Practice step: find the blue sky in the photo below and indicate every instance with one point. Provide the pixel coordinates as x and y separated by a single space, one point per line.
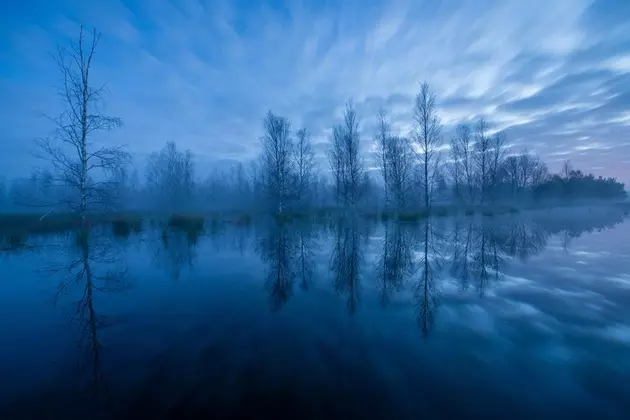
554 74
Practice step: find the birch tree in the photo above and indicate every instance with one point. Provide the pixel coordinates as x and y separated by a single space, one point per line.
427 137
336 159
383 135
345 159
171 176
80 164
465 151
482 156
399 164
497 158
304 161
276 160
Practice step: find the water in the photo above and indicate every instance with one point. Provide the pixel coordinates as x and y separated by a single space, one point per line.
523 316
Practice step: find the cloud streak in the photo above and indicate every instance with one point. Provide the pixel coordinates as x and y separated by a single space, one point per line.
554 75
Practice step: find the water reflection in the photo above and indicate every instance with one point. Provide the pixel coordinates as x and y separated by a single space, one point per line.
174 249
346 260
395 261
440 278
277 248
89 265
486 260
430 260
305 265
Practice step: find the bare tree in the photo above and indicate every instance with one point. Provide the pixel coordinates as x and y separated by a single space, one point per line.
383 136
497 157
511 169
336 157
427 137
277 162
345 159
465 151
354 163
523 172
567 168
526 165
304 157
483 159
539 172
399 165
456 171
80 164
170 175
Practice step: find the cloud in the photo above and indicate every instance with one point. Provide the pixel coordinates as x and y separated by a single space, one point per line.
204 73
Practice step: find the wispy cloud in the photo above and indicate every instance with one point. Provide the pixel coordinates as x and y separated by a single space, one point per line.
203 73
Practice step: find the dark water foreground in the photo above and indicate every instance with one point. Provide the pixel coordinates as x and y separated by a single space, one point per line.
525 316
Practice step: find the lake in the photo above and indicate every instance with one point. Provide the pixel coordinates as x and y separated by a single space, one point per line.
520 316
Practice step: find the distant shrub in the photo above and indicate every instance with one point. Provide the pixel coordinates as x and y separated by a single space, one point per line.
187 223
282 218
441 212
243 220
411 217
121 228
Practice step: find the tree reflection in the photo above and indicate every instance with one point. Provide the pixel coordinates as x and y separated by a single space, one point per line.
175 249
574 224
429 268
462 243
346 260
480 249
395 262
305 263
277 249
521 239
485 260
92 264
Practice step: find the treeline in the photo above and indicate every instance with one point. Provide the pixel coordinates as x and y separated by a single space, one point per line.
406 172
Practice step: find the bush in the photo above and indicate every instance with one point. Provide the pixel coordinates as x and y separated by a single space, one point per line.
187 223
411 217
121 228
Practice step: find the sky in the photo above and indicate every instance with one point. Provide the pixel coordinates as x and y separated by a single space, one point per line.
554 75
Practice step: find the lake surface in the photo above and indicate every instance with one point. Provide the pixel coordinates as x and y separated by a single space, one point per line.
522 316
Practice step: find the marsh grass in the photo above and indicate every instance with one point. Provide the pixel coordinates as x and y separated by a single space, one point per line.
124 224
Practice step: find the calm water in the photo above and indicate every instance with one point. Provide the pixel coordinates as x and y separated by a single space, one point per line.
525 316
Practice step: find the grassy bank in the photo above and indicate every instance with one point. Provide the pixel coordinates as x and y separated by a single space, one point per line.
124 224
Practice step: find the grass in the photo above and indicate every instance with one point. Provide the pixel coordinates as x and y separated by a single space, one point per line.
14 228
122 224
33 224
